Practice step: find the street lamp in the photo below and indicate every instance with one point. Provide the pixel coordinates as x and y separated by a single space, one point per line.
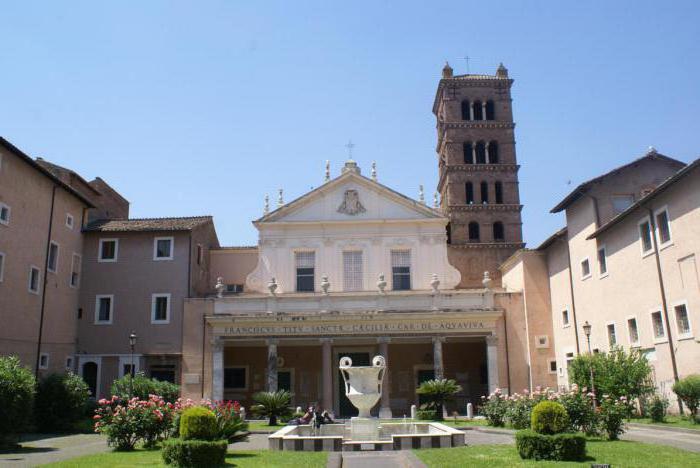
587 330
132 345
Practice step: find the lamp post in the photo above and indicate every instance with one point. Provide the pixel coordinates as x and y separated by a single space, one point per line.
132 345
587 330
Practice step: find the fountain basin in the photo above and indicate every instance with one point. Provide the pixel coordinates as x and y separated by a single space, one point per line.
390 436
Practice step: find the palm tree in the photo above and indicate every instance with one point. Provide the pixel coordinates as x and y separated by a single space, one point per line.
272 405
438 392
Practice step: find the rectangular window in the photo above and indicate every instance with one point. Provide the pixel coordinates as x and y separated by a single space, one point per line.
565 318
612 338
602 261
160 308
34 278
104 308
553 366
645 236
657 324
44 361
108 251
401 270
163 248
4 214
585 269
69 363
234 288
663 226
69 221
2 266
633 331
236 378
569 359
352 270
53 257
305 264
200 253
622 202
75 270
682 320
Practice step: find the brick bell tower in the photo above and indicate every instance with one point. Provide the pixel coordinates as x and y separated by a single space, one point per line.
478 172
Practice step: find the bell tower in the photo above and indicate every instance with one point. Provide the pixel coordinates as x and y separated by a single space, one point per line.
478 172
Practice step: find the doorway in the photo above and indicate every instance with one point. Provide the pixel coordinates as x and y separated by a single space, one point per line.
346 409
89 374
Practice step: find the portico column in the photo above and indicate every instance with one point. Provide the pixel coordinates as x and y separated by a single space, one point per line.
492 361
438 367
327 374
272 365
217 369
385 405
483 110
486 151
471 111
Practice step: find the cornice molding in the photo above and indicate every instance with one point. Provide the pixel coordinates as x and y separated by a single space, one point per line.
489 245
477 124
482 167
486 207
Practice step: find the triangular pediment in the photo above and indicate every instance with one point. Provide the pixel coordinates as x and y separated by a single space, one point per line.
351 197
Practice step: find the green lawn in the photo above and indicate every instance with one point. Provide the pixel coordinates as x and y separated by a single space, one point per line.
262 426
620 454
671 421
248 458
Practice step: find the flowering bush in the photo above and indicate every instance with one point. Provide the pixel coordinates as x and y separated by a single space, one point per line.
127 422
579 406
612 412
494 408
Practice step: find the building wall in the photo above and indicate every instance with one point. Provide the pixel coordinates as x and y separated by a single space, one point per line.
28 192
233 264
201 281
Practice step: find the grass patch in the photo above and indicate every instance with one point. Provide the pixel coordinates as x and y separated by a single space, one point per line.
671 421
262 426
245 459
620 454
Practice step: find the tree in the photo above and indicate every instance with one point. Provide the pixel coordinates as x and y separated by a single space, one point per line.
272 405
438 392
617 373
688 390
17 389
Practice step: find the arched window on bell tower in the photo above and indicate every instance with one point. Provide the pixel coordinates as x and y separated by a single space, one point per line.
490 110
484 192
466 110
473 231
498 231
493 152
468 153
480 152
478 111
499 192
469 191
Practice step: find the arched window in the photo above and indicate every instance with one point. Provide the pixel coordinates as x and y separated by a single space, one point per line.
448 228
498 232
484 192
465 110
493 152
478 111
481 153
469 189
468 153
499 192
474 231
490 111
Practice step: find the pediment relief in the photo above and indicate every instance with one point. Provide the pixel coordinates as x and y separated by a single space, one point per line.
351 203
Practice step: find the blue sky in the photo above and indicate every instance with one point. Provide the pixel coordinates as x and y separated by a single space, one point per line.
192 108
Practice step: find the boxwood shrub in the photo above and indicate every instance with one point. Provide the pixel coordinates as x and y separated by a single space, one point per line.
560 447
194 453
549 417
198 423
426 415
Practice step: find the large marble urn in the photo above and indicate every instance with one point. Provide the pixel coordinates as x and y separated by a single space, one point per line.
363 384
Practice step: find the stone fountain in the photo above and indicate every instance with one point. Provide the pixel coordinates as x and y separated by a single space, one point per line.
363 387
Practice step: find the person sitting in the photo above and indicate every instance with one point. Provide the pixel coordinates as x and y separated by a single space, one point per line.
306 419
322 417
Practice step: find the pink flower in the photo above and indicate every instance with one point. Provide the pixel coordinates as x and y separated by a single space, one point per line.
96 417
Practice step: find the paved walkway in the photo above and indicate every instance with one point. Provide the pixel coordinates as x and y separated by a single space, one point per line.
652 435
49 449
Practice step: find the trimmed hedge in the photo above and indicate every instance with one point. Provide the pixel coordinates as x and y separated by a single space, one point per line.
426 415
560 447
549 417
61 401
198 423
143 388
194 453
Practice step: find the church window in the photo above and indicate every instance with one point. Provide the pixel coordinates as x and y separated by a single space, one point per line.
499 192
493 152
466 109
352 270
490 111
469 188
474 231
484 192
401 270
481 153
498 231
478 111
305 265
468 153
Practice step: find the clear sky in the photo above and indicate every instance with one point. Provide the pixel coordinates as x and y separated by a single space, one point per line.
192 108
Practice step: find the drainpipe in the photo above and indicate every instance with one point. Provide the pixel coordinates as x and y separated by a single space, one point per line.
43 291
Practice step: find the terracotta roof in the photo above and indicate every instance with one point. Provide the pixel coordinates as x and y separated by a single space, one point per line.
148 224
19 153
551 239
579 191
57 170
661 188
